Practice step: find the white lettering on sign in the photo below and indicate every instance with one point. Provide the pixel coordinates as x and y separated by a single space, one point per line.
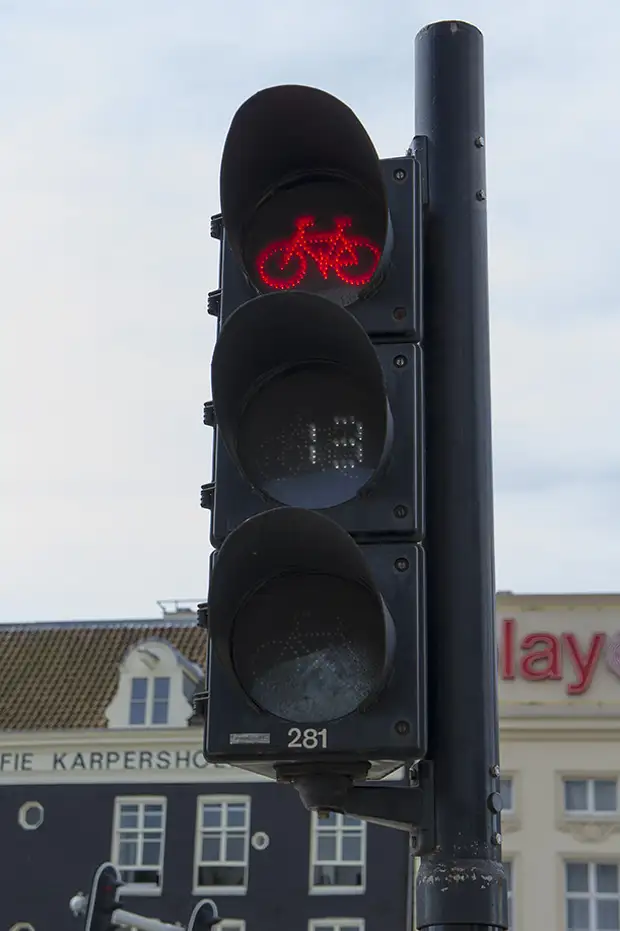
103 761
308 739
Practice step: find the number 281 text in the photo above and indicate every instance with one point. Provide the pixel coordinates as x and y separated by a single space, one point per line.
308 739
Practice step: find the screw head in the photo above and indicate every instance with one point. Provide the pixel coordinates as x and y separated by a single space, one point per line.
481 195
399 313
400 511
479 142
400 361
402 728
400 174
401 564
495 770
496 839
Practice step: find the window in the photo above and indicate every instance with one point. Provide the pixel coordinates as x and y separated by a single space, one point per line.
149 695
336 924
509 881
506 790
139 836
222 844
338 854
137 713
590 796
592 897
161 696
30 816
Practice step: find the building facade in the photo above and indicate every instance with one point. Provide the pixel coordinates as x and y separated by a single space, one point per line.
559 685
100 758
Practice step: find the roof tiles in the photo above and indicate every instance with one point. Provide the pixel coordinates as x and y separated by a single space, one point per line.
64 676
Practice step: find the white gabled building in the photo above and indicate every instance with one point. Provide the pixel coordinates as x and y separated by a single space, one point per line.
101 759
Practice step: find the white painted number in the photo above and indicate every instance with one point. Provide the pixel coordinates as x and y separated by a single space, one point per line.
309 739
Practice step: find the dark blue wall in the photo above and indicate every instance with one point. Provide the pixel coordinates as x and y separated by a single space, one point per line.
42 869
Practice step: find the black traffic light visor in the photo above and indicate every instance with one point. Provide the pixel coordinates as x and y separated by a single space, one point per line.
294 151
295 616
103 897
204 916
300 400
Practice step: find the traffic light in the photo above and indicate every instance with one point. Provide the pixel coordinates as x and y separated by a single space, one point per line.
316 608
103 899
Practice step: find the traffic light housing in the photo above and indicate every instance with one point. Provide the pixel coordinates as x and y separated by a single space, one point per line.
103 898
316 610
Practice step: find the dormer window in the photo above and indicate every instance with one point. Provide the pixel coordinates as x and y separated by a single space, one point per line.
155 688
150 699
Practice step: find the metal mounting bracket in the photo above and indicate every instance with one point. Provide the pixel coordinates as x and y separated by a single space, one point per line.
409 808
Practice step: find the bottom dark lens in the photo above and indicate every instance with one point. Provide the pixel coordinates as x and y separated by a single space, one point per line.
309 648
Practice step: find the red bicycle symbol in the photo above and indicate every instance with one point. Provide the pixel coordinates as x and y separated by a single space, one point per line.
284 264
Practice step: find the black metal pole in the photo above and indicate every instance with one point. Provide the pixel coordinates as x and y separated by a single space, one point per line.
462 883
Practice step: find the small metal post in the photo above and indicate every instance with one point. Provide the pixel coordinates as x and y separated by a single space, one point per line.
462 884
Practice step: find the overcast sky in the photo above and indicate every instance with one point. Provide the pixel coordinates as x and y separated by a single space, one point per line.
113 116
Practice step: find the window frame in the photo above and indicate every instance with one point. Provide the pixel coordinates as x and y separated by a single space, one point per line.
338 924
590 811
133 701
509 861
139 889
149 702
235 799
591 896
23 812
315 825
506 811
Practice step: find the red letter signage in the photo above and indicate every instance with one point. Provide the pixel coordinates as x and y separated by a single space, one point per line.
541 656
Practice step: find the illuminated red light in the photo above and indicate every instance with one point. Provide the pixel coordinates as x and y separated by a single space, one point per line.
353 259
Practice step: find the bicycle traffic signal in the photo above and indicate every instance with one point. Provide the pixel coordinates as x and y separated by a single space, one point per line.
316 599
103 899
